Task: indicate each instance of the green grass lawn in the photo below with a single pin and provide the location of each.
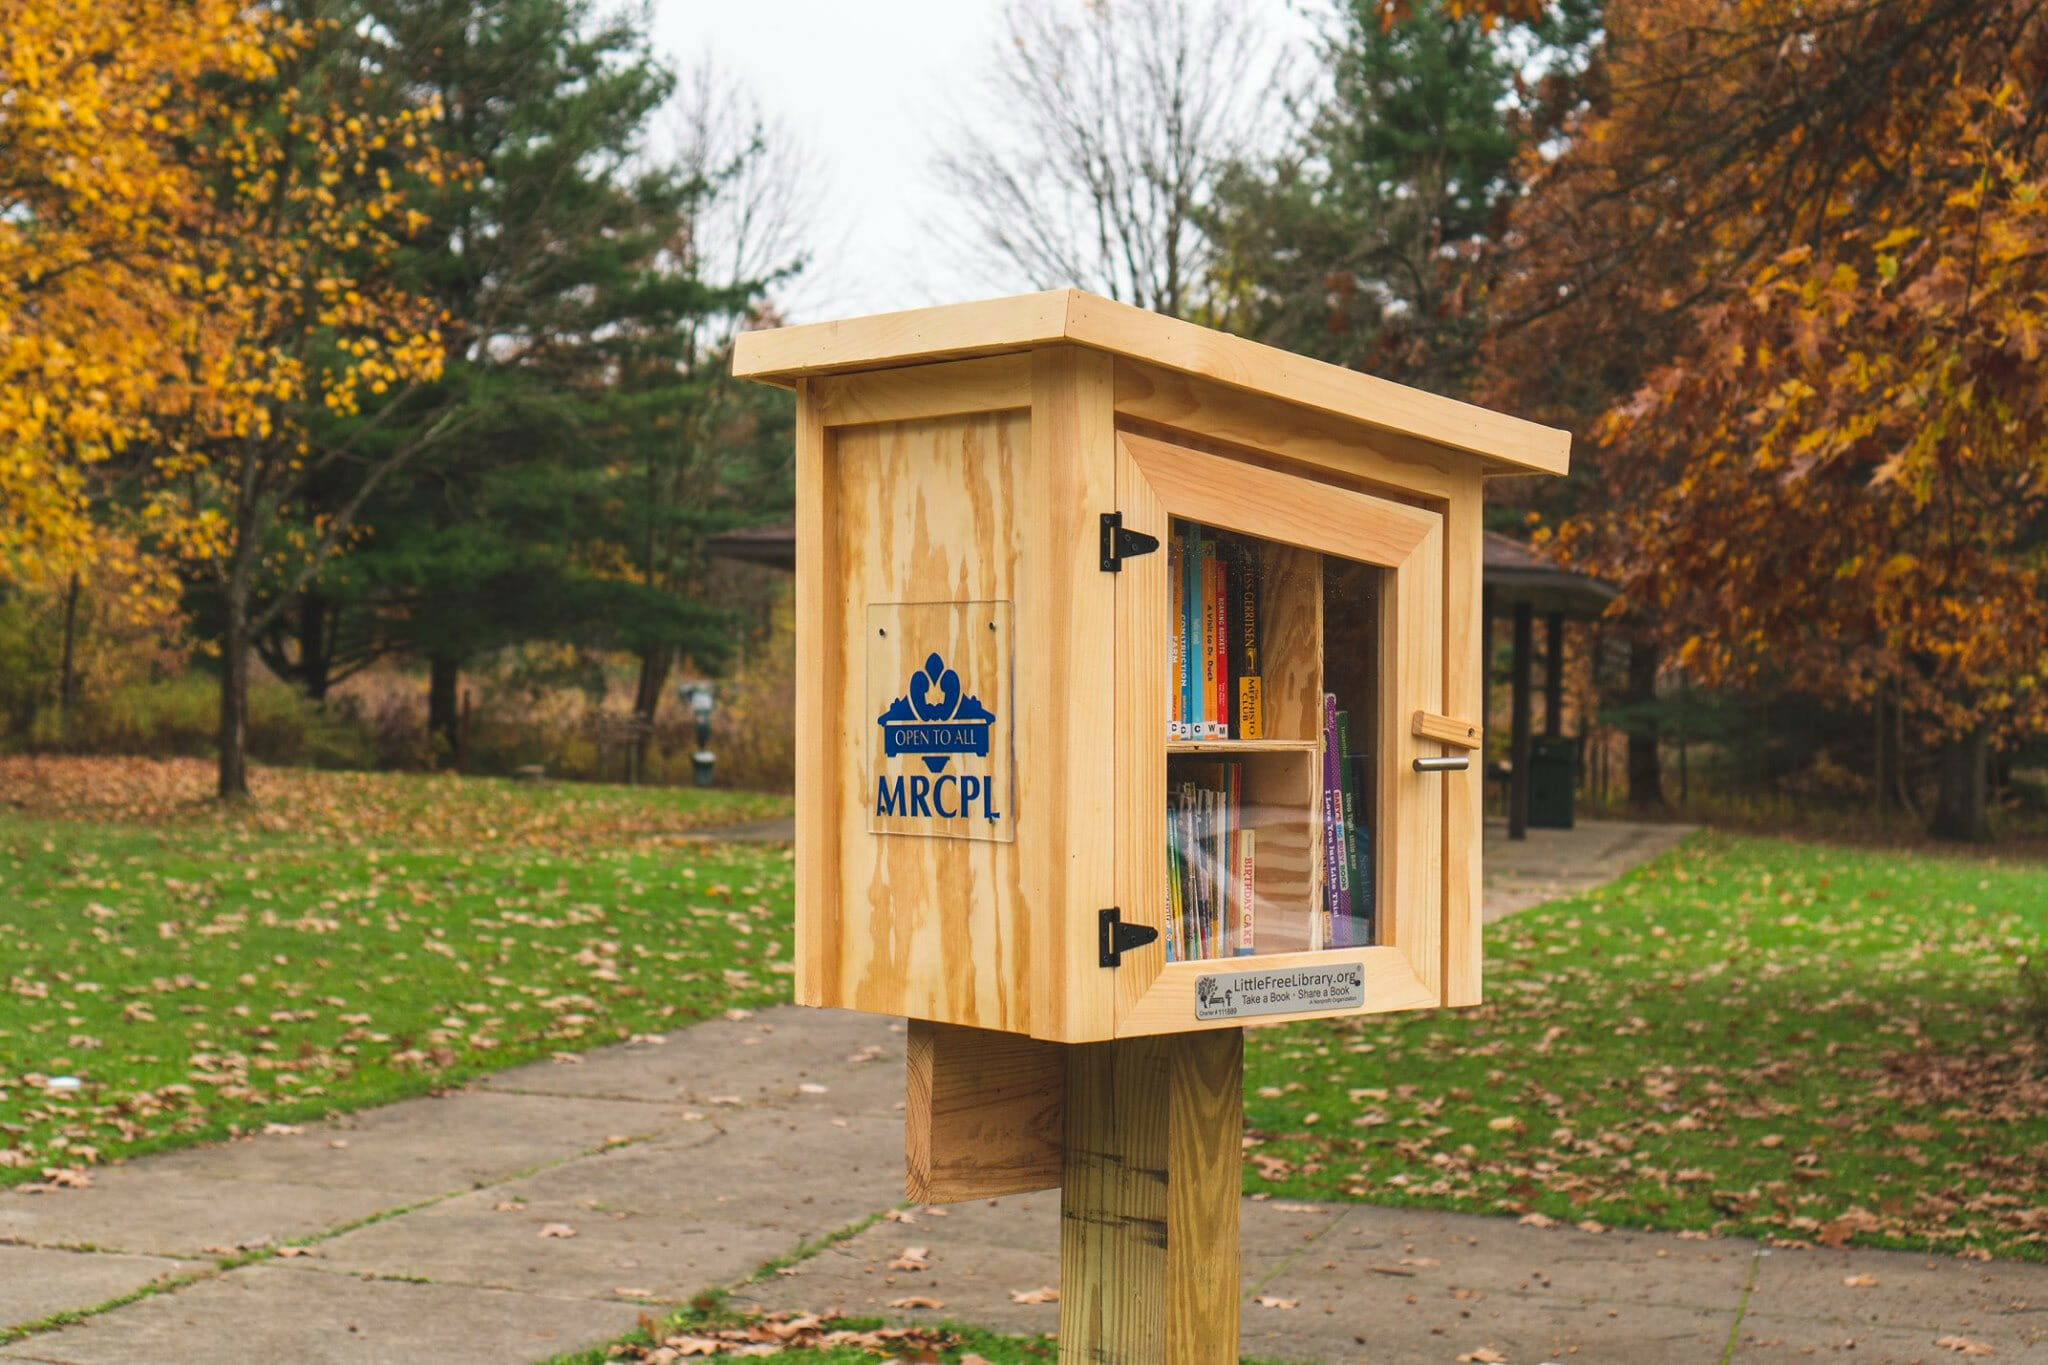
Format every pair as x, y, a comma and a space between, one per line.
1797, 1041
352, 940
1794, 1041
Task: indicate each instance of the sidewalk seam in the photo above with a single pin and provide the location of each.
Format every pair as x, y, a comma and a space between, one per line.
1756, 1259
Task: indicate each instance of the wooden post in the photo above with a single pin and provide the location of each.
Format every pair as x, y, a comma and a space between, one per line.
1149, 1264
1518, 786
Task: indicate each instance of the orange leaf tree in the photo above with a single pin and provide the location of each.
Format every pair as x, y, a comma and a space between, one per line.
1791, 276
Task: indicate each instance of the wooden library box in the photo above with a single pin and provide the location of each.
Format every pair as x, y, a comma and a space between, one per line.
1138, 672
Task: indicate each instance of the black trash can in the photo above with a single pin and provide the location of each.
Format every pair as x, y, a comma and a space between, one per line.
1553, 781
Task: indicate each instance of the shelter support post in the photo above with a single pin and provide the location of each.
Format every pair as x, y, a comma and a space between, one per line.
1518, 787
1553, 675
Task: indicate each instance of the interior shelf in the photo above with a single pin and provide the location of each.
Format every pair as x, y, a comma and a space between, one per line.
1223, 748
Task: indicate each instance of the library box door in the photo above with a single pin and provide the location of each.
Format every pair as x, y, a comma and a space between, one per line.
1270, 821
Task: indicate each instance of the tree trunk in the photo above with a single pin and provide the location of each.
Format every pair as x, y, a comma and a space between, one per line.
1645, 769
654, 667
444, 718
1961, 769
316, 645
234, 697
67, 670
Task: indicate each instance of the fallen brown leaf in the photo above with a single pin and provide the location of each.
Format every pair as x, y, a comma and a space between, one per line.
1046, 1294
1274, 1301
1485, 1355
1859, 1281
912, 1258
916, 1301
1965, 1346
557, 1230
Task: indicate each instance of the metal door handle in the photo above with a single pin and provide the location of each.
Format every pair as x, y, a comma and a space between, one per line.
1455, 763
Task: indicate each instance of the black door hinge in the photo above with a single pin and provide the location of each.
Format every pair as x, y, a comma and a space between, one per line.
1119, 544
1118, 938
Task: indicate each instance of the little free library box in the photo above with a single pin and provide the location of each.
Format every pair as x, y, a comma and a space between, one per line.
1138, 700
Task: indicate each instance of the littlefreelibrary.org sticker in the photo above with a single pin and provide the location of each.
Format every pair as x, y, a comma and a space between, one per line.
1235, 995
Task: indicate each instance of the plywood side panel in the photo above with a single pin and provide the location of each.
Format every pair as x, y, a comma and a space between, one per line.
1412, 803
1464, 695
1066, 652
934, 510
914, 392
985, 1113
821, 672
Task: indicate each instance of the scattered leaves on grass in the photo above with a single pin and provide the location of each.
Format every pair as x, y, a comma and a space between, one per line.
316, 967
1799, 1043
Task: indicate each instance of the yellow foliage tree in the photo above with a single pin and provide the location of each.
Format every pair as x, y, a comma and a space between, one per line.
101, 96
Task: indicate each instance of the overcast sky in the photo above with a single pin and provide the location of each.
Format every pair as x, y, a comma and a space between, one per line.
870, 88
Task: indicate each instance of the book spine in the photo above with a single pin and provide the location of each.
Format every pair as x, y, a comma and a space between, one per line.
1205, 714
1336, 933
1347, 791
1172, 884
1364, 904
1177, 641
1251, 710
1219, 625
1248, 842
1191, 631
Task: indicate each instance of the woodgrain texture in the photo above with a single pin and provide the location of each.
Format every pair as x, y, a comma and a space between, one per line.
1464, 695
1504, 443
984, 1115
1261, 502
820, 680
1144, 646
1149, 1205
1411, 805
934, 510
1445, 730
946, 389
1066, 779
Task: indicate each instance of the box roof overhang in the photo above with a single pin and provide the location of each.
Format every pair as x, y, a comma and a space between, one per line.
1503, 444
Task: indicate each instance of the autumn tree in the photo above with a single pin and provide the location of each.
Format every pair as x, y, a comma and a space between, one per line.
297, 346
101, 98
1791, 277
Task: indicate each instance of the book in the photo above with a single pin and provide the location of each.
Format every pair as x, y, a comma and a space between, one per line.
1177, 644
1336, 933
1191, 629
1205, 633
1247, 900
1347, 864
1248, 720
1364, 904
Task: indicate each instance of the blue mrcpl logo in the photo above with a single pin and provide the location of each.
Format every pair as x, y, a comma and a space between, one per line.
934, 723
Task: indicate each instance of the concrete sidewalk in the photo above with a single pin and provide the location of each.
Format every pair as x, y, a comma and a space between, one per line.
544, 1208
435, 1230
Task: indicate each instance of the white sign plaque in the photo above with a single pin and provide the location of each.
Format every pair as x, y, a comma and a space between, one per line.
1285, 990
